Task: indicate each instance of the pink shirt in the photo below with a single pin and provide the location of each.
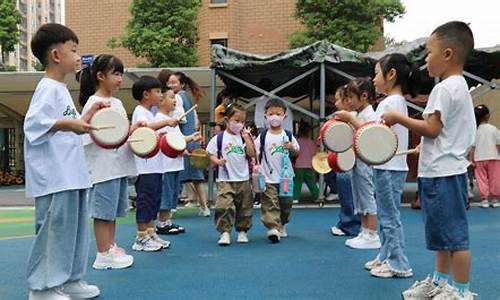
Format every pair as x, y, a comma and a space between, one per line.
307, 150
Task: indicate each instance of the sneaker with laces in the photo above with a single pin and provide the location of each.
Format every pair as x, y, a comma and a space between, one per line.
191, 204
385, 271
204, 212
112, 260
169, 229
372, 264
116, 249
354, 239
50, 294
364, 241
146, 244
337, 231
273, 235
164, 243
332, 197
283, 232
80, 290
179, 228
451, 293
485, 203
420, 290
225, 239
242, 237
494, 203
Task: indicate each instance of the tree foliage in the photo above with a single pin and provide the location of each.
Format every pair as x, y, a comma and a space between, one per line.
163, 32
353, 24
10, 17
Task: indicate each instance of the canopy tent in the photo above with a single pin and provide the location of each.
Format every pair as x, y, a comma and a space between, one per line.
309, 70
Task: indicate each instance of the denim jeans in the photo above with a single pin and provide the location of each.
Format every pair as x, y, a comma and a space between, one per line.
348, 222
389, 189
331, 181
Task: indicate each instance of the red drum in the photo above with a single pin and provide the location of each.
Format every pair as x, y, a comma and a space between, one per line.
172, 144
112, 128
144, 142
342, 162
375, 143
336, 135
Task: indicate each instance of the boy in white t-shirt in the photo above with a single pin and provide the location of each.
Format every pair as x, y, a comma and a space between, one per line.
230, 150
56, 173
275, 210
448, 130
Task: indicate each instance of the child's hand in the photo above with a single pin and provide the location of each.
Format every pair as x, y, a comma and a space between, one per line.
78, 126
94, 108
137, 125
289, 146
391, 117
172, 122
344, 116
220, 162
196, 137
246, 133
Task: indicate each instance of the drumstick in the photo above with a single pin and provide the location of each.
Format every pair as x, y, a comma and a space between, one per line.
135, 140
99, 127
409, 151
187, 112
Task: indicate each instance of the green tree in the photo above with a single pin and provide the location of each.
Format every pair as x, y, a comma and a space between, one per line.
10, 17
163, 32
353, 24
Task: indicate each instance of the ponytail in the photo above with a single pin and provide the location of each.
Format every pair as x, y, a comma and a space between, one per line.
191, 84
407, 74
87, 86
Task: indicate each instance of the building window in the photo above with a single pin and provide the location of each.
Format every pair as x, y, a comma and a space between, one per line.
11, 145
222, 42
218, 1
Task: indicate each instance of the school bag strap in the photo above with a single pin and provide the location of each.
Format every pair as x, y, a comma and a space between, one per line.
219, 138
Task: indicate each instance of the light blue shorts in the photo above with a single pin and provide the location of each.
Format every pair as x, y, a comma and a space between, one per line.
363, 190
109, 199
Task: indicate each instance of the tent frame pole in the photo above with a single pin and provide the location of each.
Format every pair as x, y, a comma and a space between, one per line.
322, 95
211, 131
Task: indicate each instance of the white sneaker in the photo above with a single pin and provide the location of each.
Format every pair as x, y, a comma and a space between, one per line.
242, 237
191, 204
205, 212
451, 293
225, 239
364, 241
485, 203
372, 264
164, 243
332, 197
146, 244
80, 290
50, 294
283, 233
337, 231
420, 290
494, 203
273, 235
295, 201
385, 271
112, 260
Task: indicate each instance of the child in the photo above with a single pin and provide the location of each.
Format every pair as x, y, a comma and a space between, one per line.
109, 168
360, 93
392, 78
148, 185
448, 130
486, 157
303, 163
349, 222
270, 146
56, 173
229, 151
171, 168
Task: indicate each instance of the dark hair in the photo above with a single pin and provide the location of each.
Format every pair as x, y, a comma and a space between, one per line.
481, 111
144, 83
458, 36
49, 36
221, 96
232, 108
163, 77
407, 73
304, 128
193, 86
358, 86
275, 102
104, 63
342, 90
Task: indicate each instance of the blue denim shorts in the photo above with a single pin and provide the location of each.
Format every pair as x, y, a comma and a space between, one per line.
171, 187
109, 199
148, 188
363, 190
443, 205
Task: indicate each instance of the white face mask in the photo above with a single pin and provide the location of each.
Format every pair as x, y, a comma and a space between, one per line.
235, 127
275, 120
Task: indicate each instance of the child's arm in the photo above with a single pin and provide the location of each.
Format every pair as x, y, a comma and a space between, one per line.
292, 147
346, 116
160, 124
195, 137
471, 156
430, 127
217, 161
247, 137
81, 125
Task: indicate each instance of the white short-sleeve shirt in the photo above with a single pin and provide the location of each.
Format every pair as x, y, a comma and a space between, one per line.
445, 155
169, 164
234, 151
154, 164
487, 141
54, 161
274, 151
107, 164
395, 103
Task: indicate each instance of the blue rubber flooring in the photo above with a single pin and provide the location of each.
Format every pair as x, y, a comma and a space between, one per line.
309, 264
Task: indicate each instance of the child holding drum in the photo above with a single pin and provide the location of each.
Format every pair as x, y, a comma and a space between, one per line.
360, 95
394, 75
109, 159
230, 151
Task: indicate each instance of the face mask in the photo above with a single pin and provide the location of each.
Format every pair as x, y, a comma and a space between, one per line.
235, 127
275, 120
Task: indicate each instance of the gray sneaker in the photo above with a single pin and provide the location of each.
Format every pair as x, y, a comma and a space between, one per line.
146, 244
420, 290
451, 293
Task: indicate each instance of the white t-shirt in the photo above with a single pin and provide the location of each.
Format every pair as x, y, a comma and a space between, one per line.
154, 164
107, 164
260, 111
367, 114
395, 103
54, 161
234, 151
487, 141
169, 164
445, 155
274, 154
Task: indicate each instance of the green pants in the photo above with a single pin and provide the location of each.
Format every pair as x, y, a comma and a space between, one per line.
306, 175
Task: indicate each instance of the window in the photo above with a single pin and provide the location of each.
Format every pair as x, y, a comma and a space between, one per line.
218, 1
222, 42
11, 146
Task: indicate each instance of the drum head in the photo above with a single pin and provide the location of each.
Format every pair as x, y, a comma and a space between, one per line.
346, 160
338, 137
199, 159
114, 136
143, 141
375, 144
320, 163
176, 141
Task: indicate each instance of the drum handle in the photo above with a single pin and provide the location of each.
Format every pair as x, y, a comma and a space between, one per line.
99, 127
187, 112
409, 151
135, 140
